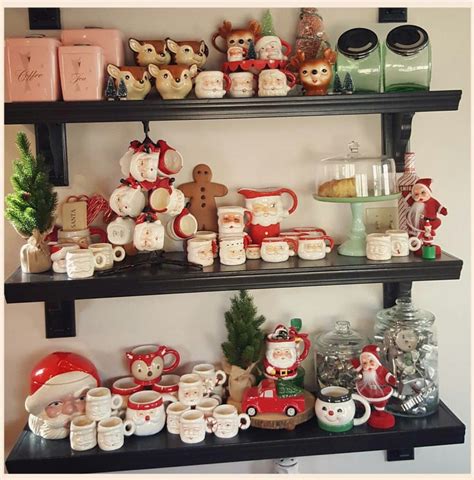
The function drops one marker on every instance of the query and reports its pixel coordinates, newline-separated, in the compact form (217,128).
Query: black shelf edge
(194,109)
(33,454)
(254,274)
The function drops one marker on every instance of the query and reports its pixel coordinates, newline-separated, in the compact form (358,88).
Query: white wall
(262,152)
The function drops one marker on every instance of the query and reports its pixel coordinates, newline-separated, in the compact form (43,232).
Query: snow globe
(356,179)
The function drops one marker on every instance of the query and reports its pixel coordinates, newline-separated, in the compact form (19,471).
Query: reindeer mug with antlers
(237,37)
(188,52)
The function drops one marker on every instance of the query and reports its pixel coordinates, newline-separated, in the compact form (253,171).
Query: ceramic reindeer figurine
(188,52)
(136,80)
(238,37)
(314,74)
(173,82)
(150,51)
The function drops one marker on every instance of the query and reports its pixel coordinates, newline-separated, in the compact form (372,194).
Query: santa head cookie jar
(58,387)
(285,349)
(267,210)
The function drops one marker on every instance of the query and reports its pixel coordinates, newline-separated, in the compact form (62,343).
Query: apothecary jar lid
(342,339)
(357,42)
(407,39)
(405,311)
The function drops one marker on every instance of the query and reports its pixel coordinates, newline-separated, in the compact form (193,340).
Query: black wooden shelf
(333,270)
(195,109)
(33,454)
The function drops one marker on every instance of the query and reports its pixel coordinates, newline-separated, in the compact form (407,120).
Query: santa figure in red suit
(423,207)
(375,384)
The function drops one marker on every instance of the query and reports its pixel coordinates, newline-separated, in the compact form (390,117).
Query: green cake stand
(354,246)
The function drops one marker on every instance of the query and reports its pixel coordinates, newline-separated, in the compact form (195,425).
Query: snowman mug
(335,409)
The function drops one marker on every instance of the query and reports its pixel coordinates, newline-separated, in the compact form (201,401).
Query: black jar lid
(357,42)
(407,39)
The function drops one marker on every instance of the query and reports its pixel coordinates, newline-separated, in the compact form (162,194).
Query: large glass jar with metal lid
(407,59)
(358,54)
(334,351)
(407,337)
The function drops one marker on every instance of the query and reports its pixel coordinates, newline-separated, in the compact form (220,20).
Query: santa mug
(81,263)
(167,384)
(111,432)
(173,416)
(83,433)
(335,409)
(100,403)
(146,412)
(147,363)
(253,251)
(227,421)
(236,54)
(193,427)
(207,406)
(275,83)
(182,227)
(120,231)
(149,234)
(270,47)
(212,378)
(232,250)
(314,247)
(200,251)
(191,389)
(208,235)
(243,85)
(111,254)
(231,220)
(58,254)
(277,249)
(164,198)
(402,244)
(378,246)
(309,230)
(127,201)
(124,387)
(212,84)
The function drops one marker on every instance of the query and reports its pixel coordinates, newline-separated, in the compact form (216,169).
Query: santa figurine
(423,207)
(59,383)
(375,383)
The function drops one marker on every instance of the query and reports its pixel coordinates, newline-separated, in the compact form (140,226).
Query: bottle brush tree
(267,24)
(244,345)
(251,54)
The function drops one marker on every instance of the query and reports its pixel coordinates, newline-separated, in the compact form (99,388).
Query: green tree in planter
(244,344)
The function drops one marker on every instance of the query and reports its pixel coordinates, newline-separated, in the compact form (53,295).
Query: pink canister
(109,39)
(31,69)
(82,72)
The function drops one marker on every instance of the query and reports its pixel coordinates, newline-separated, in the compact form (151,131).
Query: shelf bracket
(60,319)
(392,291)
(51,143)
(399,454)
(396,132)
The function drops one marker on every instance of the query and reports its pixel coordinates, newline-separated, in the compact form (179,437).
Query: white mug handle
(129,428)
(221,377)
(414,244)
(116,401)
(366,416)
(244,421)
(118,253)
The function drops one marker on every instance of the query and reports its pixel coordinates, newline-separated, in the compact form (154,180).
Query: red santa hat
(426,182)
(373,351)
(57,375)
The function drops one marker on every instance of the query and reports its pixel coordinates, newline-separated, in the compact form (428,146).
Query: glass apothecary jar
(334,351)
(407,59)
(407,338)
(359,55)
(355,175)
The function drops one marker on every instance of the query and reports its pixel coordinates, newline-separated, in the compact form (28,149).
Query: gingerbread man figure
(201,194)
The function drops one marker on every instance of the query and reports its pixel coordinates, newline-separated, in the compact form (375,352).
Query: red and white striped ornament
(405,184)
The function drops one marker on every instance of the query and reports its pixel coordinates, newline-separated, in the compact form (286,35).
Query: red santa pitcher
(267,210)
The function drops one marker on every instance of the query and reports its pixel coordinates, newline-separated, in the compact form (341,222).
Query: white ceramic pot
(378,247)
(227,421)
(314,247)
(173,416)
(111,432)
(100,403)
(81,263)
(402,244)
(83,433)
(243,84)
(111,254)
(200,251)
(277,249)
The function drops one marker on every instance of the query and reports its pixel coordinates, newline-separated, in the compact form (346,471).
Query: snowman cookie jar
(267,210)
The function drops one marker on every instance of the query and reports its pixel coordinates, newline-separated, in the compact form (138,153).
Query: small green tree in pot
(244,346)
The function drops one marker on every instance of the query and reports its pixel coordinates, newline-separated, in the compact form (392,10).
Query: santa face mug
(378,246)
(100,403)
(58,255)
(270,47)
(211,377)
(191,389)
(81,263)
(402,245)
(168,384)
(212,84)
(193,427)
(127,201)
(149,234)
(208,235)
(232,250)
(173,416)
(227,421)
(83,434)
(146,412)
(335,409)
(253,251)
(277,249)
(314,247)
(111,254)
(200,251)
(167,199)
(120,231)
(275,83)
(207,406)
(111,431)
(231,220)
(243,85)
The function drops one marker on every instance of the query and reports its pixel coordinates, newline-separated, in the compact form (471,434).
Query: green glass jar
(407,59)
(409,349)
(358,54)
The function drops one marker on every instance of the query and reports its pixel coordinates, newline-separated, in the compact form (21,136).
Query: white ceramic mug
(208,235)
(209,375)
(277,249)
(124,387)
(191,389)
(243,84)
(253,251)
(227,421)
(378,246)
(58,255)
(200,251)
(111,254)
(402,244)
(335,409)
(83,433)
(149,236)
(167,200)
(173,416)
(269,47)
(207,406)
(232,250)
(231,219)
(212,84)
(100,403)
(275,83)
(120,231)
(235,54)
(127,201)
(193,426)
(168,384)
(314,247)
(183,226)
(111,432)
(81,263)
